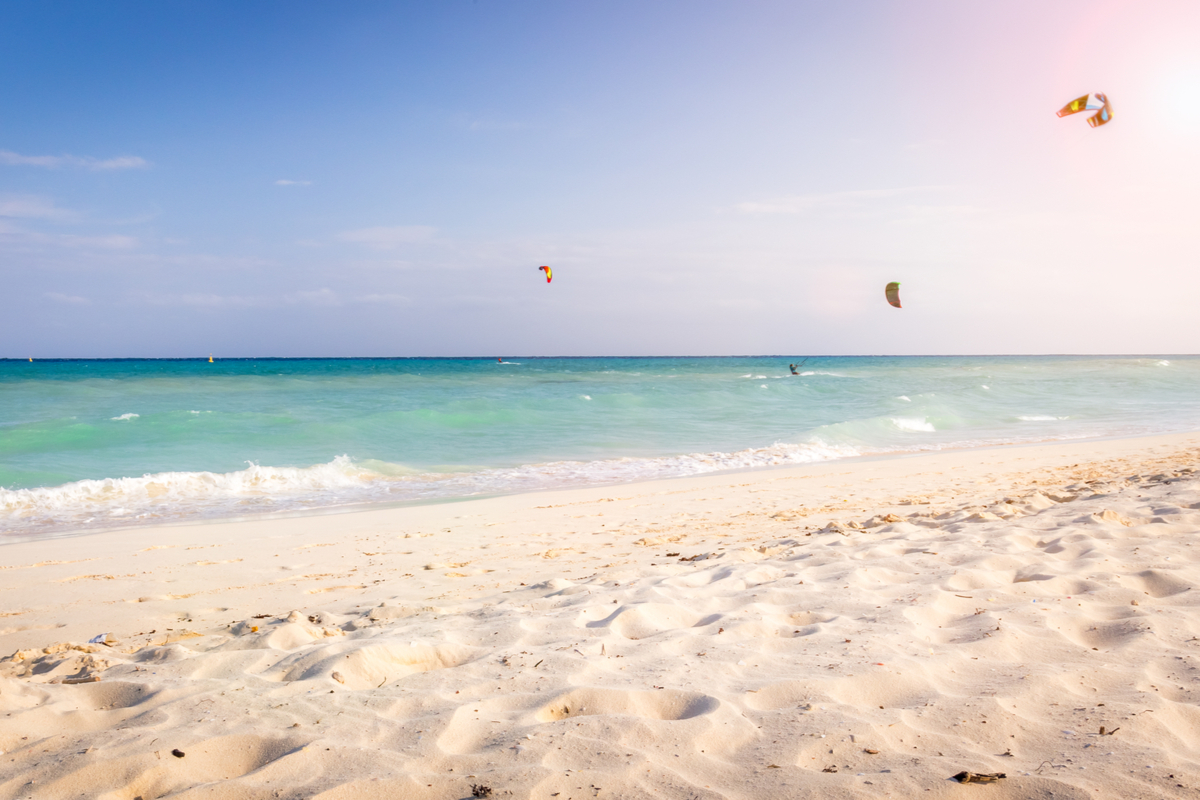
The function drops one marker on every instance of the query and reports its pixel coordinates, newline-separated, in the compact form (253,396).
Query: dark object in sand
(178,753)
(979,777)
(480,790)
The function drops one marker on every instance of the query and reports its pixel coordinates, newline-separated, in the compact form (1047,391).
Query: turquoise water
(93,444)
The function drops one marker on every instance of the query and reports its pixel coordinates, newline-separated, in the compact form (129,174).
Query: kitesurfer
(792,367)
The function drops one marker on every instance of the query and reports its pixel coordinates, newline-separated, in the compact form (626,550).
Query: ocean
(89,445)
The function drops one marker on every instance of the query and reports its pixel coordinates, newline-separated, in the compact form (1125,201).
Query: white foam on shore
(87,505)
(181,495)
(913,424)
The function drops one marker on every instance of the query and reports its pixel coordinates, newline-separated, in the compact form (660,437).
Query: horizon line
(205,358)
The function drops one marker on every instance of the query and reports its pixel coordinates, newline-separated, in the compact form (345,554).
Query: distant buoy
(210,358)
(31,361)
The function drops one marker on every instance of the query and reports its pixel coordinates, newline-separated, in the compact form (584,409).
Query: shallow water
(93,444)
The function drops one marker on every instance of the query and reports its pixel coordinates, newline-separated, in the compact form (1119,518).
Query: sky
(705,178)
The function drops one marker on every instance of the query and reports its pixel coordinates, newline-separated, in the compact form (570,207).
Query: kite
(548,273)
(892,292)
(1090,102)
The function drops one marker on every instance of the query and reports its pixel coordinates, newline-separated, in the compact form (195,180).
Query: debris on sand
(978,777)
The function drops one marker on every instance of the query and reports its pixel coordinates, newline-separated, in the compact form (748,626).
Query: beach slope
(852,629)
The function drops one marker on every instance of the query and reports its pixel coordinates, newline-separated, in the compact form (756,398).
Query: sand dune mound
(1159,583)
(643,620)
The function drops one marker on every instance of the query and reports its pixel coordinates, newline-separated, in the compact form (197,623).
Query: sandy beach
(852,629)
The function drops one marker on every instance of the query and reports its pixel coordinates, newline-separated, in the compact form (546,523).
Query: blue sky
(372,178)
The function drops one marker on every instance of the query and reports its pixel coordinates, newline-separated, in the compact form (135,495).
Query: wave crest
(172,496)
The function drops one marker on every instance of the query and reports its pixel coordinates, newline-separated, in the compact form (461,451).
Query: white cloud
(388,238)
(122,162)
(70,299)
(286,182)
(12,159)
(9,158)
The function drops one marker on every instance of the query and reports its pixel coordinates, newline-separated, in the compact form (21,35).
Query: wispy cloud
(69,299)
(9,158)
(324,296)
(30,207)
(328,297)
(802,204)
(110,242)
(286,182)
(319,297)
(201,300)
(388,238)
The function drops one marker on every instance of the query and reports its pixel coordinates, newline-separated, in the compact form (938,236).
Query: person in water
(792,367)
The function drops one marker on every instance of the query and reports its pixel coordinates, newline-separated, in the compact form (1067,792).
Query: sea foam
(168,496)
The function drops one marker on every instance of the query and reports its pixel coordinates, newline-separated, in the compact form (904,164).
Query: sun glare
(1177,98)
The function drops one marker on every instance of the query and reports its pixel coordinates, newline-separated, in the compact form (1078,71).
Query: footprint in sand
(644,620)
(880,687)
(206,762)
(1101,635)
(465,734)
(367,665)
(111,695)
(663,704)
(939,626)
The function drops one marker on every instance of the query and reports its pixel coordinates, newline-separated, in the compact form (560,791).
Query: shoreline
(899,467)
(364,506)
(735,633)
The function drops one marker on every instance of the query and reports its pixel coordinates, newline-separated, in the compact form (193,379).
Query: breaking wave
(177,496)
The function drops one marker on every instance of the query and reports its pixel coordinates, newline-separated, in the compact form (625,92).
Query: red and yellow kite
(1090,102)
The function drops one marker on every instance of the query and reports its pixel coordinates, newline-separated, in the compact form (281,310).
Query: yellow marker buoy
(209,358)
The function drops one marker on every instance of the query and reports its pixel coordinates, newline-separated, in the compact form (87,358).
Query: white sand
(995,609)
